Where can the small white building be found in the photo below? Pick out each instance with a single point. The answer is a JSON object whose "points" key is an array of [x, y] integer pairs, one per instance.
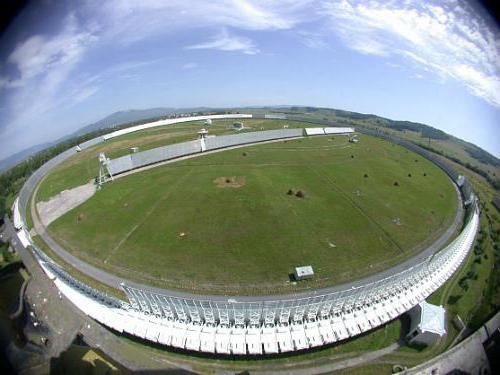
{"points": [[208, 121], [460, 180], [303, 272], [427, 324]]}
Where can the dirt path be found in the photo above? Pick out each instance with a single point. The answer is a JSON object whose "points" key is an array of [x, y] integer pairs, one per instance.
{"points": [[334, 365]]}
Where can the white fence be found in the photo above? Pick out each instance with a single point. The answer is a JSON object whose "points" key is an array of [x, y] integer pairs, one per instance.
{"points": [[171, 121]]}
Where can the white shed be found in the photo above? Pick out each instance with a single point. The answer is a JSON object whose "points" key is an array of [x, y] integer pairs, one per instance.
{"points": [[303, 272], [427, 324]]}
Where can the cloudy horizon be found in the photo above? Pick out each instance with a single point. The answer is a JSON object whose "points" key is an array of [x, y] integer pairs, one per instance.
{"points": [[67, 64]]}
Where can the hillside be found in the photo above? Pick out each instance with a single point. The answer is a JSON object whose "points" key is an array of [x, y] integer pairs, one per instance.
{"points": [[469, 155], [466, 153]]}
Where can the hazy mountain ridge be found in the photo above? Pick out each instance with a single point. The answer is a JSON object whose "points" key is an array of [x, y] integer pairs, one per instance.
{"points": [[114, 119], [143, 115], [134, 115], [23, 155]]}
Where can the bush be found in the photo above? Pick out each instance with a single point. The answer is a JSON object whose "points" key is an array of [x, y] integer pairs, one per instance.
{"points": [[409, 174], [300, 194], [396, 183], [352, 156], [453, 299], [366, 175], [472, 274], [463, 283], [290, 192]]}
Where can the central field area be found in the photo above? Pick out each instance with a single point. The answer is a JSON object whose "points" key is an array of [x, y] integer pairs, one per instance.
{"points": [[231, 221]]}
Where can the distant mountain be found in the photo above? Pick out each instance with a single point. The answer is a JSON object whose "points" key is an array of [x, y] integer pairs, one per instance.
{"points": [[132, 116], [114, 119], [123, 117], [23, 155], [152, 114]]}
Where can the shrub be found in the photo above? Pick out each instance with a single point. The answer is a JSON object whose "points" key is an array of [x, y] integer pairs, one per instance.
{"points": [[290, 192], [463, 283], [409, 174], [396, 183], [366, 175], [300, 194]]}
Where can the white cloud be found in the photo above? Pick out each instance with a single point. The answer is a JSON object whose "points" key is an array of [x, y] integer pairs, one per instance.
{"points": [[311, 39], [41, 54], [226, 42], [43, 65], [45, 75], [133, 20], [189, 65], [84, 93], [443, 38]]}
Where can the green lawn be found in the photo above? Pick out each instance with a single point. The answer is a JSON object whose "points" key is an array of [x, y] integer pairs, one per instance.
{"points": [[84, 166], [249, 239]]}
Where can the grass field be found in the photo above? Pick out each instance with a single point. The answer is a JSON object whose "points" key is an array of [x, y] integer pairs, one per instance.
{"points": [[82, 167], [248, 239]]}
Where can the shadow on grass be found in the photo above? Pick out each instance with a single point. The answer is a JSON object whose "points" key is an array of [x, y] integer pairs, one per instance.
{"points": [[453, 300], [255, 358]]}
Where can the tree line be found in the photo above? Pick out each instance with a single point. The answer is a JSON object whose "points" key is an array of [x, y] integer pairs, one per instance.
{"points": [[13, 179]]}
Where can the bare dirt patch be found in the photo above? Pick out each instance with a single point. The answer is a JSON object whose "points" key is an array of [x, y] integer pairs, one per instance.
{"points": [[64, 202], [232, 182]]}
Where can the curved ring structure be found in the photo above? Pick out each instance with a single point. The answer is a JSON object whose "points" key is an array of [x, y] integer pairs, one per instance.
{"points": [[257, 325]]}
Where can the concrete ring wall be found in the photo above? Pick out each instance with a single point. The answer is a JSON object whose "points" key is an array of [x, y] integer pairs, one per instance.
{"points": [[284, 324]]}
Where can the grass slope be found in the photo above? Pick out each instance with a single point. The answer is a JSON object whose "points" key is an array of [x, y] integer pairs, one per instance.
{"points": [[248, 240]]}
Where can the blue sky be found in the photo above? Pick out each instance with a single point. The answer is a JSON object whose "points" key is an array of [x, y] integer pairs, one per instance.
{"points": [[64, 64]]}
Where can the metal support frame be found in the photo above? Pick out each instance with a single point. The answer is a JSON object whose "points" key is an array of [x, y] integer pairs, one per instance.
{"points": [[105, 174]]}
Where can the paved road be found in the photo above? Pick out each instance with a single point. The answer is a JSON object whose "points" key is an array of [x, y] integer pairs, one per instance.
{"points": [[336, 365], [116, 281]]}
